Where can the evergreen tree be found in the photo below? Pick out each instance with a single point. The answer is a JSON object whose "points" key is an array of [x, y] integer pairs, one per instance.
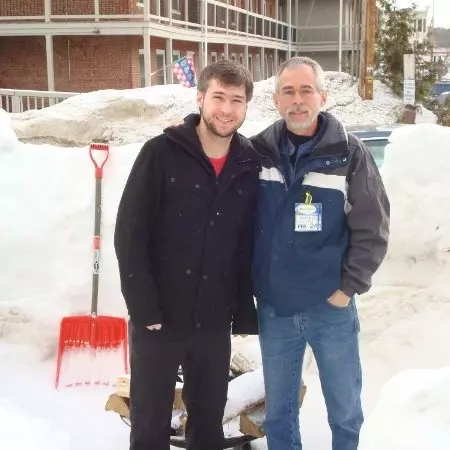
{"points": [[395, 30]]}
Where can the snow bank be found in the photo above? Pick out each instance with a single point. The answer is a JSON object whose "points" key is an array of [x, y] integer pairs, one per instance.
{"points": [[20, 431], [47, 220], [413, 413], [8, 138], [130, 116], [418, 185]]}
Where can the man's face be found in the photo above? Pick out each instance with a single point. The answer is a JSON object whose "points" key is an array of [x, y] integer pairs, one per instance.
{"points": [[222, 108], [297, 99]]}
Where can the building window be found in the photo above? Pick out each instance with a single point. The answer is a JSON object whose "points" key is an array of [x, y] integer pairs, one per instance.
{"points": [[160, 75], [214, 57], [258, 68], [233, 57], [419, 25], [176, 6], [176, 55], [241, 59]]}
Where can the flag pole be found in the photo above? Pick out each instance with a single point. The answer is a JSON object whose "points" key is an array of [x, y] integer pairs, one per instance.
{"points": [[166, 66]]}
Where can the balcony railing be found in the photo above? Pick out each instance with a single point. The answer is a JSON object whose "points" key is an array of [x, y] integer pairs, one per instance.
{"points": [[16, 101], [222, 18]]}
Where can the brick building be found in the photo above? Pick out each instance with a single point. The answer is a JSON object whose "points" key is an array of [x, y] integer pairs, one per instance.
{"points": [[84, 45]]}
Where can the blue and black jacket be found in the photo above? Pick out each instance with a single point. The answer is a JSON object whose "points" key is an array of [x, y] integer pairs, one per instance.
{"points": [[336, 172]]}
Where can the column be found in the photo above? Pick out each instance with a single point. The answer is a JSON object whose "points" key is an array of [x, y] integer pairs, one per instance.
{"points": [[97, 10], [277, 16], [262, 62], [296, 25], [169, 60], [147, 10], [289, 21], [147, 56], [50, 64], [47, 10], [246, 56]]}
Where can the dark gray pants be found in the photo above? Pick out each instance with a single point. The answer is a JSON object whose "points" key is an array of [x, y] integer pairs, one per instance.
{"points": [[155, 359]]}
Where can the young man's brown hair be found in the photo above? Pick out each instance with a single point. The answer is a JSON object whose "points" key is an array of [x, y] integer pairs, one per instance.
{"points": [[228, 73]]}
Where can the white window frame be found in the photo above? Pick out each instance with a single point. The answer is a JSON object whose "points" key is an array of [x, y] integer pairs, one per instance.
{"points": [[213, 55], [233, 57]]}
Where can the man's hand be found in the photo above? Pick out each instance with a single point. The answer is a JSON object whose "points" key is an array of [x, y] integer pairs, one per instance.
{"points": [[339, 299], [156, 326]]}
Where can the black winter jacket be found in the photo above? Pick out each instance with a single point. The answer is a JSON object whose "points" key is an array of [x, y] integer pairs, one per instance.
{"points": [[183, 236]]}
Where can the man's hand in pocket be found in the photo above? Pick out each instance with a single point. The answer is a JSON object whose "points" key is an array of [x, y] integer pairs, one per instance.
{"points": [[339, 299]]}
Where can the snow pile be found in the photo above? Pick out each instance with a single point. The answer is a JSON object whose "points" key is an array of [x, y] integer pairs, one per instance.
{"points": [[8, 138], [413, 413], [47, 197], [119, 116], [20, 432], [418, 186], [48, 219], [131, 116]]}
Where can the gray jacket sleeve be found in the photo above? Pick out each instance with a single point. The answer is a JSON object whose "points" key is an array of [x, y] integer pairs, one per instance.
{"points": [[367, 219]]}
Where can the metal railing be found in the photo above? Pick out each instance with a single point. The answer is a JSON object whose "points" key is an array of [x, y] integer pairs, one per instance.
{"points": [[102, 16], [17, 101]]}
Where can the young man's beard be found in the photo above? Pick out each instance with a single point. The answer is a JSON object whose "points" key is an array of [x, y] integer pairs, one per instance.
{"points": [[212, 128]]}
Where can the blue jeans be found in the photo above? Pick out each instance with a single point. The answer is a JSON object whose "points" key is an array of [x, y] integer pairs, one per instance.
{"points": [[332, 334]]}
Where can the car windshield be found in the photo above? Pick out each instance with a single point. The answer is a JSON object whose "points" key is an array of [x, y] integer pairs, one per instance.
{"points": [[376, 147]]}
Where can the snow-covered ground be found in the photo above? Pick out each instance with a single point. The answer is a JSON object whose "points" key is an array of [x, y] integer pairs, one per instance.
{"points": [[46, 224], [130, 116]]}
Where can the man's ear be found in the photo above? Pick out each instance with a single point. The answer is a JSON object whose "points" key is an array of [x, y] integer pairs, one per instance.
{"points": [[275, 99], [323, 98], [199, 99]]}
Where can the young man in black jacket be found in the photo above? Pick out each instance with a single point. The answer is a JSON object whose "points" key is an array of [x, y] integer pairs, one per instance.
{"points": [[183, 241]]}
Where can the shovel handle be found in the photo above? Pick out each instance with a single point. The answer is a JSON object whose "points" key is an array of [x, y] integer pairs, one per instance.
{"points": [[98, 161]]}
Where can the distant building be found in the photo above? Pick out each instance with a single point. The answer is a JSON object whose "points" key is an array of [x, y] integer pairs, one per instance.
{"points": [[85, 45]]}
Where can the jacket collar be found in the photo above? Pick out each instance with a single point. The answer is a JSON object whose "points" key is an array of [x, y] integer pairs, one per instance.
{"points": [[185, 135], [331, 141]]}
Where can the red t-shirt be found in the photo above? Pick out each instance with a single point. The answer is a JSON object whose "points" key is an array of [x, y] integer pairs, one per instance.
{"points": [[218, 164]]}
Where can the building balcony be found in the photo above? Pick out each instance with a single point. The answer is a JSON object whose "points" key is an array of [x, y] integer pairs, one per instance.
{"points": [[178, 19]]}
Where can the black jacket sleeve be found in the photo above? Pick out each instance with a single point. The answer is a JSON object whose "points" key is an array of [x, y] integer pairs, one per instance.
{"points": [[245, 320], [368, 221], [135, 219]]}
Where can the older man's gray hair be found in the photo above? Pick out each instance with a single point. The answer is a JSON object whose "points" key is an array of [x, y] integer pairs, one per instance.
{"points": [[300, 61]]}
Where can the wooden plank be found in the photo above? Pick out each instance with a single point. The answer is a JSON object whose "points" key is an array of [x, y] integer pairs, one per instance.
{"points": [[117, 404], [251, 423]]}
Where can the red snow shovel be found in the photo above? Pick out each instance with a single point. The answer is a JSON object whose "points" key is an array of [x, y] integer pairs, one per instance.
{"points": [[93, 335]]}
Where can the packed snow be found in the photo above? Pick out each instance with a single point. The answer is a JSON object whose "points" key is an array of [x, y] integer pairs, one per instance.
{"points": [[413, 413], [47, 198], [130, 116]]}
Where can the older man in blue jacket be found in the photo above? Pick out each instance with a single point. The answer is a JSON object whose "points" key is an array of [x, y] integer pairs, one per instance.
{"points": [[321, 233]]}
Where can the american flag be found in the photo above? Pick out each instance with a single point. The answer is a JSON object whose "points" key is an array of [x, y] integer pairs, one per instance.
{"points": [[184, 71]]}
